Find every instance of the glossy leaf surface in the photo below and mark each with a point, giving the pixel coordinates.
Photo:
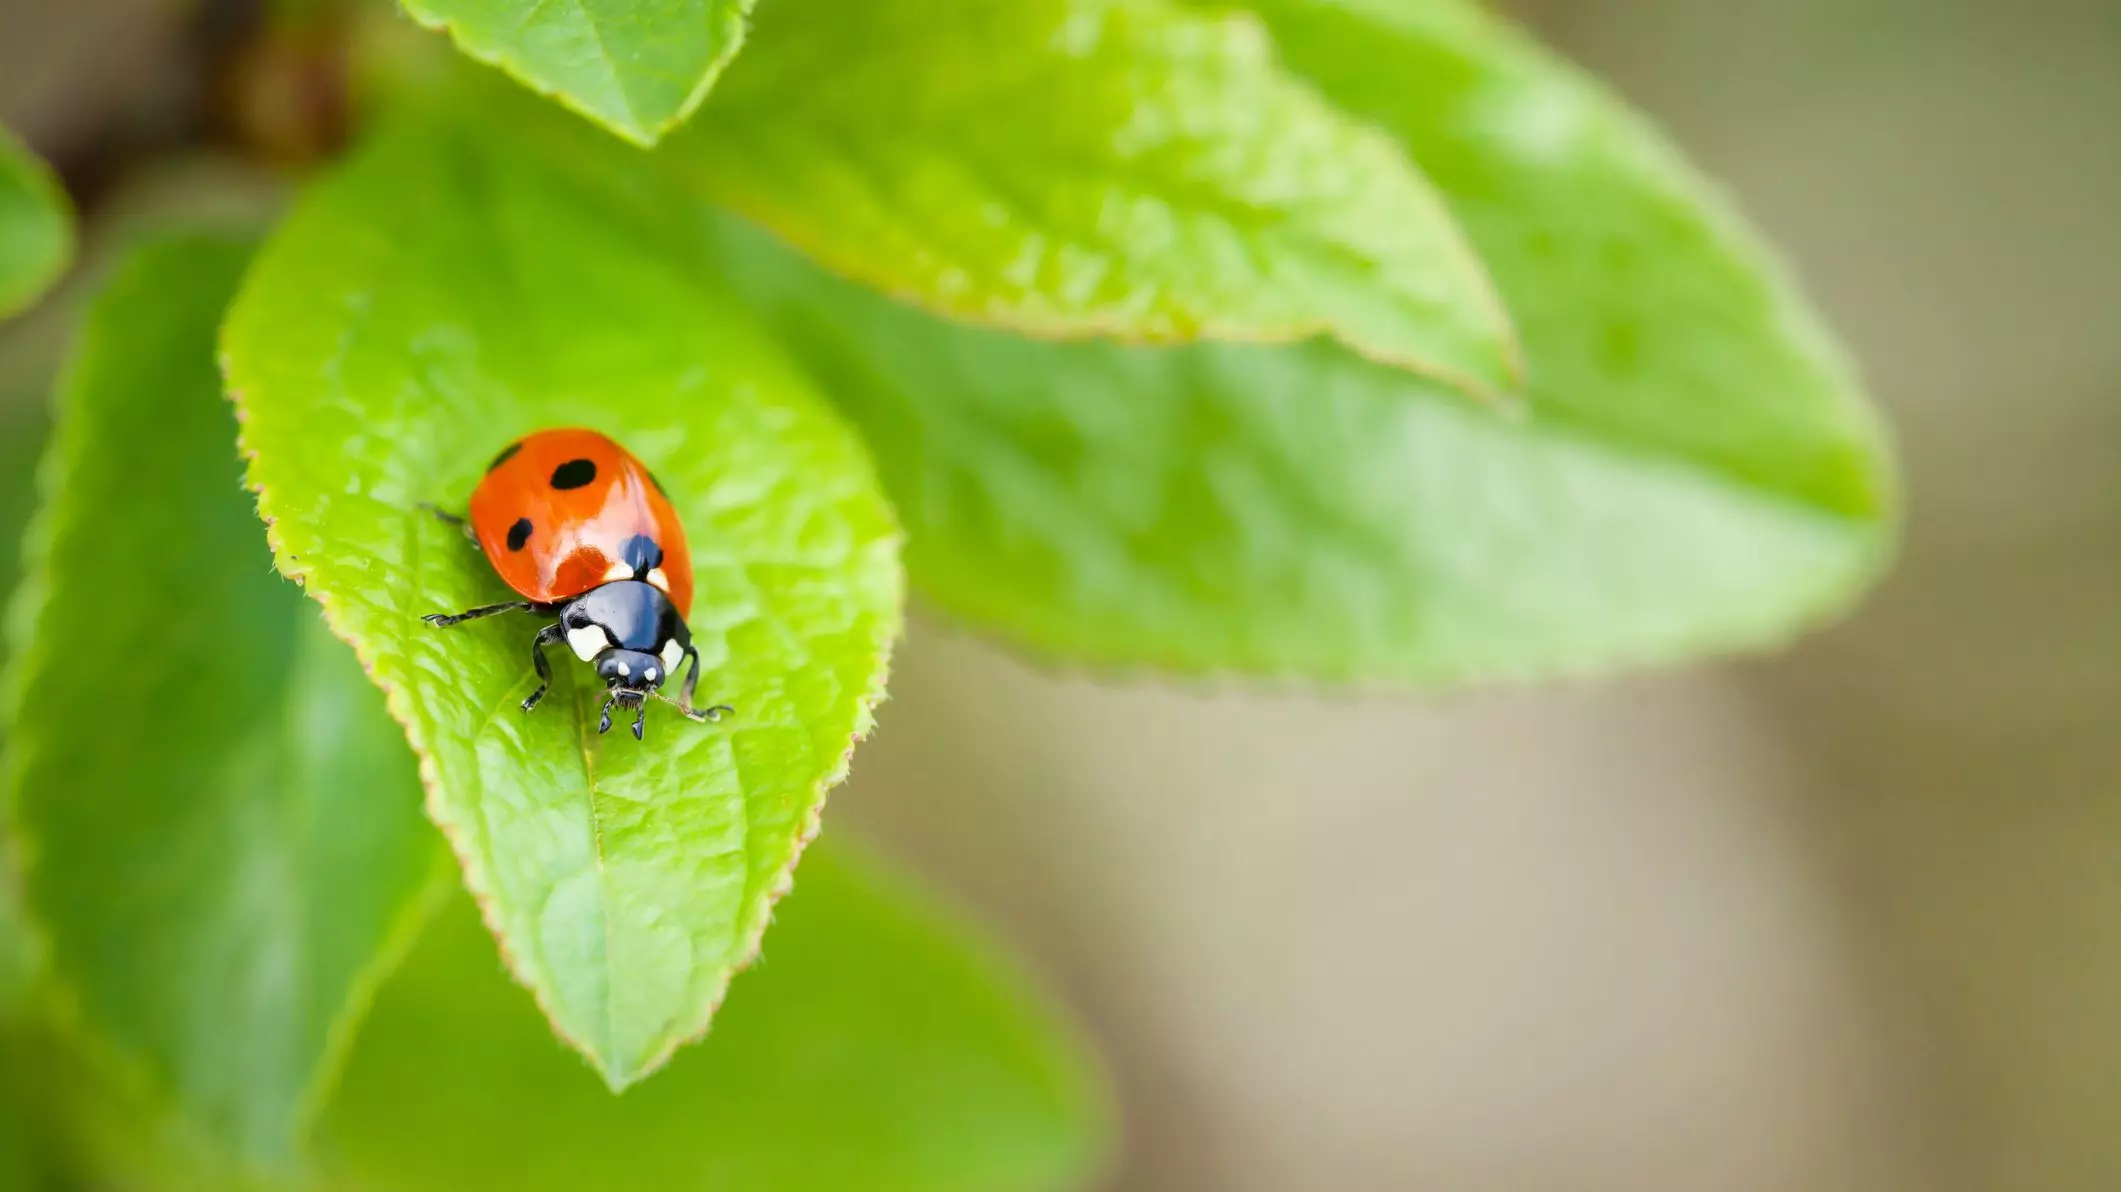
(1697, 471)
(222, 830)
(638, 67)
(1075, 168)
(444, 293)
(879, 1044)
(1656, 321)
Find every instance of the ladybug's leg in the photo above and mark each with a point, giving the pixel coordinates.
(546, 636)
(440, 619)
(463, 525)
(692, 683)
(604, 725)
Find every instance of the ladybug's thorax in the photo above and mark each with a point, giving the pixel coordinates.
(630, 629)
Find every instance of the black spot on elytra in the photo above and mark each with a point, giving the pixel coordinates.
(507, 453)
(641, 553)
(574, 474)
(519, 533)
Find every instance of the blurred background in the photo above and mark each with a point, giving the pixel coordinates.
(1845, 919)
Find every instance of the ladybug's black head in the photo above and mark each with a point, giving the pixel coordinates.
(630, 674)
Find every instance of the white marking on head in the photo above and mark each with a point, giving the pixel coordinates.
(625, 671)
(672, 651)
(616, 572)
(588, 641)
(656, 577)
(651, 675)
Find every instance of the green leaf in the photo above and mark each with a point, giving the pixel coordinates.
(443, 294)
(1656, 322)
(18, 956)
(1697, 472)
(881, 1044)
(637, 67)
(222, 832)
(27, 1159)
(21, 440)
(36, 231)
(1075, 168)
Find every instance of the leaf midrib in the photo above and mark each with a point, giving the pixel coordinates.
(596, 845)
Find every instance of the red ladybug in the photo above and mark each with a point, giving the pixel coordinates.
(579, 527)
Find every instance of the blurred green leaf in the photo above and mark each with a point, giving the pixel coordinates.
(22, 1159)
(41, 1097)
(21, 440)
(879, 1045)
(22, 436)
(1074, 168)
(1697, 473)
(1657, 323)
(222, 836)
(441, 295)
(18, 958)
(638, 67)
(26, 1159)
(95, 1125)
(36, 227)
(18, 963)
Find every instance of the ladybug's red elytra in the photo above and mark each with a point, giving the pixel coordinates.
(577, 526)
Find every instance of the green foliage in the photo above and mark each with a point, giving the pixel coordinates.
(20, 440)
(18, 960)
(638, 67)
(1092, 167)
(878, 1045)
(27, 1154)
(1154, 322)
(1696, 472)
(1656, 325)
(442, 294)
(881, 1043)
(36, 231)
(215, 906)
(276, 865)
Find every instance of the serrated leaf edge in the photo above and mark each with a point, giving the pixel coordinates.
(397, 700)
(634, 132)
(1757, 637)
(1115, 328)
(55, 995)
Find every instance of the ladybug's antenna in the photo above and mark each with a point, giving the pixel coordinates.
(689, 715)
(696, 715)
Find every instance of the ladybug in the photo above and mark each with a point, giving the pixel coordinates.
(582, 530)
